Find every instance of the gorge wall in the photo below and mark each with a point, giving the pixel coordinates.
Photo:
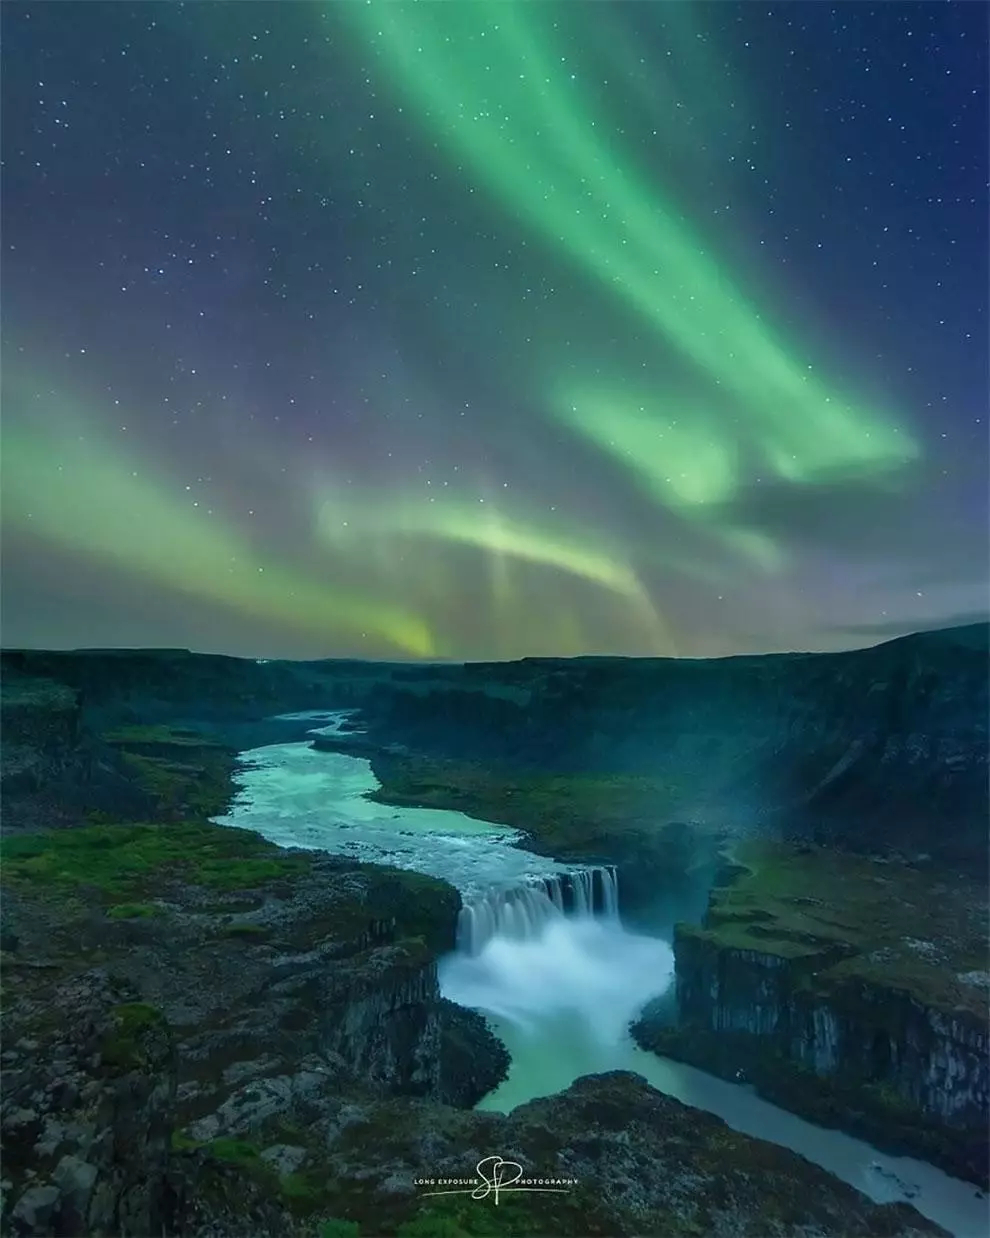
(867, 749)
(847, 990)
(846, 974)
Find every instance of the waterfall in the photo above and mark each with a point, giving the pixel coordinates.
(610, 892)
(584, 892)
(522, 912)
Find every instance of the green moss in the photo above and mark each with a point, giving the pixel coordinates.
(334, 1227)
(133, 1043)
(526, 1215)
(572, 814)
(182, 1142)
(434, 1225)
(127, 736)
(424, 908)
(304, 1192)
(133, 911)
(183, 787)
(122, 861)
(885, 1097)
(236, 1152)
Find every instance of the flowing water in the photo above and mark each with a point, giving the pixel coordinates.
(543, 953)
(561, 1002)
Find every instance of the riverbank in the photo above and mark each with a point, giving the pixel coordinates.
(322, 811)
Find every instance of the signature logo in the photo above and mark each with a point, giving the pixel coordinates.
(496, 1176)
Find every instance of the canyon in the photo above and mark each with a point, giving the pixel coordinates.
(808, 829)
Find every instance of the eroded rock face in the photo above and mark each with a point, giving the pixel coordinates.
(471, 1056)
(52, 768)
(807, 974)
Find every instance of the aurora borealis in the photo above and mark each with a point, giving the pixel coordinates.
(481, 330)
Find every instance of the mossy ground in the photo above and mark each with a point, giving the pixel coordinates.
(120, 863)
(158, 736)
(581, 817)
(130, 1045)
(894, 926)
(255, 932)
(133, 911)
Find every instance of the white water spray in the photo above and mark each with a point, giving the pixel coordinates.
(552, 964)
(560, 989)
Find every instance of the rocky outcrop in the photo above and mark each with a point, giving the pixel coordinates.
(241, 994)
(471, 1056)
(87, 1112)
(41, 724)
(621, 1158)
(852, 991)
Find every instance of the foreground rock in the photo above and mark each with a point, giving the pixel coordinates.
(87, 1112)
(162, 976)
(848, 990)
(622, 1159)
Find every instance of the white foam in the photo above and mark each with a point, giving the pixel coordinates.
(297, 797)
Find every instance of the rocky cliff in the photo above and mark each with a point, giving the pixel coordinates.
(867, 750)
(52, 767)
(846, 989)
(157, 977)
(153, 685)
(86, 1127)
(205, 1036)
(863, 749)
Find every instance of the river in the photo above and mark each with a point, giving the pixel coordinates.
(561, 1000)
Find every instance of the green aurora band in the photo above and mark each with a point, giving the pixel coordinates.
(67, 482)
(491, 87)
(486, 86)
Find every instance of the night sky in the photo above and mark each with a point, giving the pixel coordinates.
(478, 330)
